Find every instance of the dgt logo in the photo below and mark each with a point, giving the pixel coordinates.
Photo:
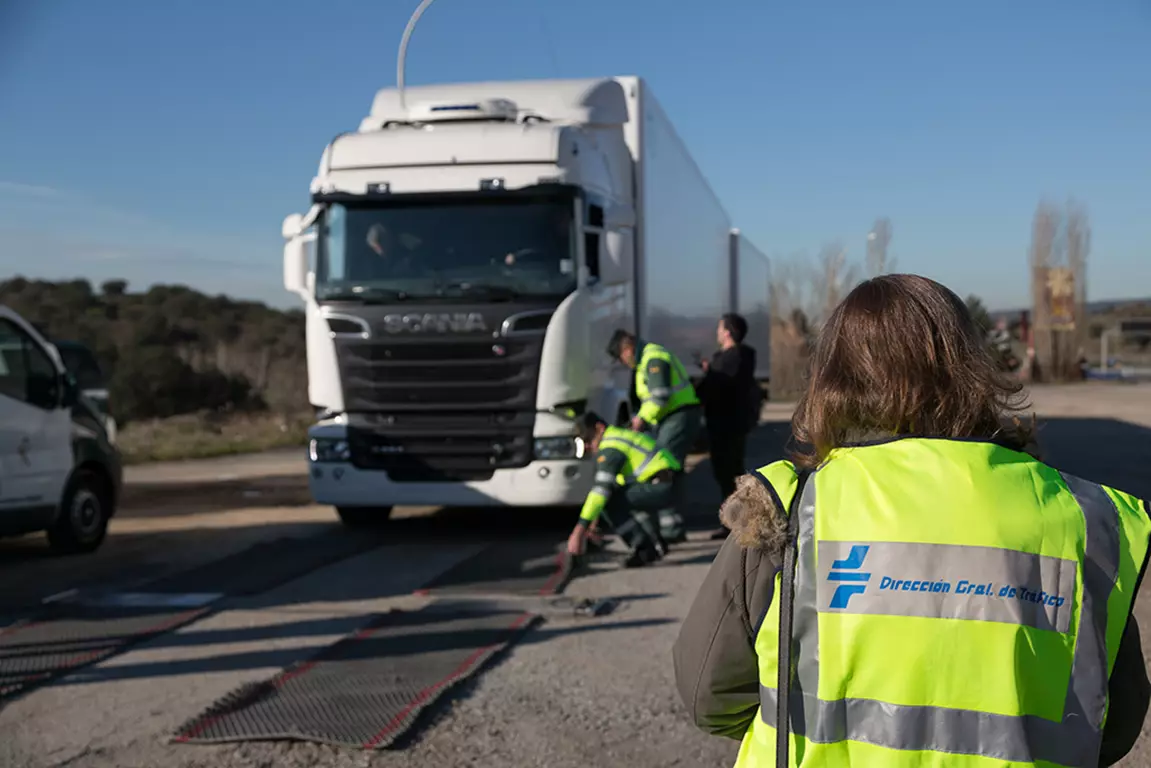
(847, 570)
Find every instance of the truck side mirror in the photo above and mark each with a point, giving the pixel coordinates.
(292, 226)
(296, 265)
(619, 216)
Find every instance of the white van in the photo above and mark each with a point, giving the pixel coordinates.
(59, 472)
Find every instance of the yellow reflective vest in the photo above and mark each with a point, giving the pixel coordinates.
(624, 457)
(956, 604)
(664, 398)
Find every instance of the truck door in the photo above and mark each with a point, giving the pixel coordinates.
(35, 431)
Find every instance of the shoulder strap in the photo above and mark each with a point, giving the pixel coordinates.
(786, 605)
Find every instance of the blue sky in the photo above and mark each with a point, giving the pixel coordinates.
(165, 141)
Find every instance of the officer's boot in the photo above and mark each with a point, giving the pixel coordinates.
(644, 543)
(646, 554)
(671, 527)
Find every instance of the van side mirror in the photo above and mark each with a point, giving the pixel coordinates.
(70, 391)
(50, 391)
(619, 216)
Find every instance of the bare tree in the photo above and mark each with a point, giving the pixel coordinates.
(878, 241)
(1044, 227)
(792, 287)
(1060, 243)
(792, 303)
(1077, 246)
(834, 277)
(803, 294)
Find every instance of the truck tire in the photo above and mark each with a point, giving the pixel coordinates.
(84, 514)
(363, 517)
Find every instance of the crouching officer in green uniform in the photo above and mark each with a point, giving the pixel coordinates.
(668, 406)
(633, 478)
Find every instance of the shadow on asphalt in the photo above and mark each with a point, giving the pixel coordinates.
(421, 624)
(1110, 451)
(174, 499)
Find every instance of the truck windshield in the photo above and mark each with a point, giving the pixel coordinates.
(487, 250)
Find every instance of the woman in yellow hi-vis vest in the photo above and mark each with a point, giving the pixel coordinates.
(945, 599)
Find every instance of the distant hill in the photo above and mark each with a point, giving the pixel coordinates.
(171, 349)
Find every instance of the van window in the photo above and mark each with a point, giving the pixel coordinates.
(26, 372)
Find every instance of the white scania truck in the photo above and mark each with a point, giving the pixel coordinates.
(468, 253)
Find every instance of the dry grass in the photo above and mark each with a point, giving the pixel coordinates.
(198, 436)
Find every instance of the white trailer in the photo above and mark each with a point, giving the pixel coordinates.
(475, 246)
(750, 297)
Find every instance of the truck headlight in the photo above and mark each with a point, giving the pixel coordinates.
(327, 449)
(558, 448)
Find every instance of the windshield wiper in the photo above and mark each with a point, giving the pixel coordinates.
(494, 292)
(367, 293)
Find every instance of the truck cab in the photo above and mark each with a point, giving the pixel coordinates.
(59, 472)
(460, 291)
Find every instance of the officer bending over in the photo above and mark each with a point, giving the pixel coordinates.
(633, 477)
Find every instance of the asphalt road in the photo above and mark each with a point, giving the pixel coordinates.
(573, 692)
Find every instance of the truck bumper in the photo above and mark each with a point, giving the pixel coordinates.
(540, 484)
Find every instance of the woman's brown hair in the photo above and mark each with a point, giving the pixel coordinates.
(901, 355)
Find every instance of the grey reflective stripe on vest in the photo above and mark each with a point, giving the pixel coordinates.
(1074, 741)
(946, 581)
(604, 477)
(648, 458)
(666, 392)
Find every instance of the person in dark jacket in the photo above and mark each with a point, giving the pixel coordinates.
(905, 431)
(730, 398)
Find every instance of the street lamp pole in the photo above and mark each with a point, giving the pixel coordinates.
(401, 60)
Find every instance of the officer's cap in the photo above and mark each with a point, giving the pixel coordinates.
(615, 346)
(587, 424)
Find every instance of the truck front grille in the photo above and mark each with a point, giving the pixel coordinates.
(432, 376)
(429, 411)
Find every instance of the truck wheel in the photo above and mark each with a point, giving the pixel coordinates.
(84, 513)
(363, 517)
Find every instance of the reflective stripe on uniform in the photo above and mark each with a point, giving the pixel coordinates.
(666, 392)
(624, 441)
(1073, 741)
(944, 577)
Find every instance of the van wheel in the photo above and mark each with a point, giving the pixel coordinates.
(84, 513)
(363, 517)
